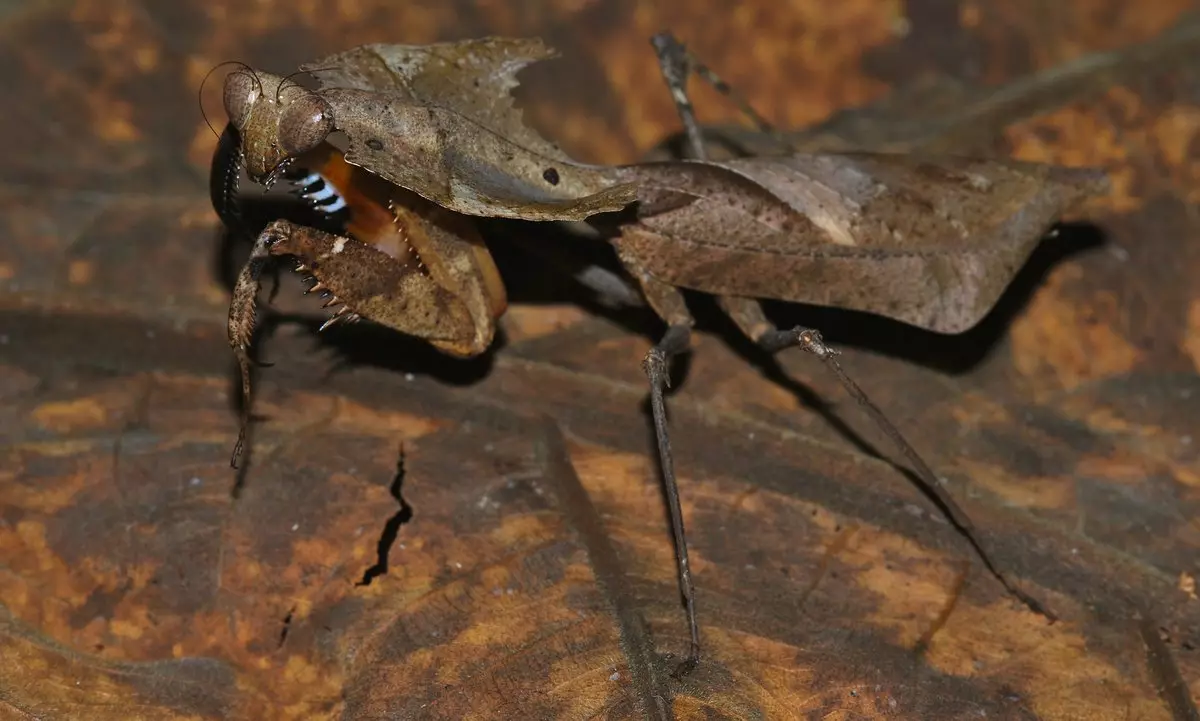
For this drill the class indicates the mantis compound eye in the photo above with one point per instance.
(306, 122)
(242, 90)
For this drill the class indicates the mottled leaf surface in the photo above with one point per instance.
(439, 120)
(531, 575)
(929, 241)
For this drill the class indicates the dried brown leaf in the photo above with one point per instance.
(1069, 429)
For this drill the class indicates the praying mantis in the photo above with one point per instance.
(433, 140)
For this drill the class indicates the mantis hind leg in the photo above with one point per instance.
(668, 303)
(675, 341)
(748, 315)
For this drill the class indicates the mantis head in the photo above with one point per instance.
(277, 119)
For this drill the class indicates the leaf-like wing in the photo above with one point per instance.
(928, 241)
(474, 78)
(440, 120)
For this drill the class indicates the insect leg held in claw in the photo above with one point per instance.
(242, 315)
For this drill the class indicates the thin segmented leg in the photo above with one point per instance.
(748, 314)
(749, 317)
(669, 304)
(677, 65)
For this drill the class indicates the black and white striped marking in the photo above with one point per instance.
(318, 191)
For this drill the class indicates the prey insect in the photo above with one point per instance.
(928, 241)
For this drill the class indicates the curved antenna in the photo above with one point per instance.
(289, 76)
(215, 68)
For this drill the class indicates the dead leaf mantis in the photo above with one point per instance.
(928, 241)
